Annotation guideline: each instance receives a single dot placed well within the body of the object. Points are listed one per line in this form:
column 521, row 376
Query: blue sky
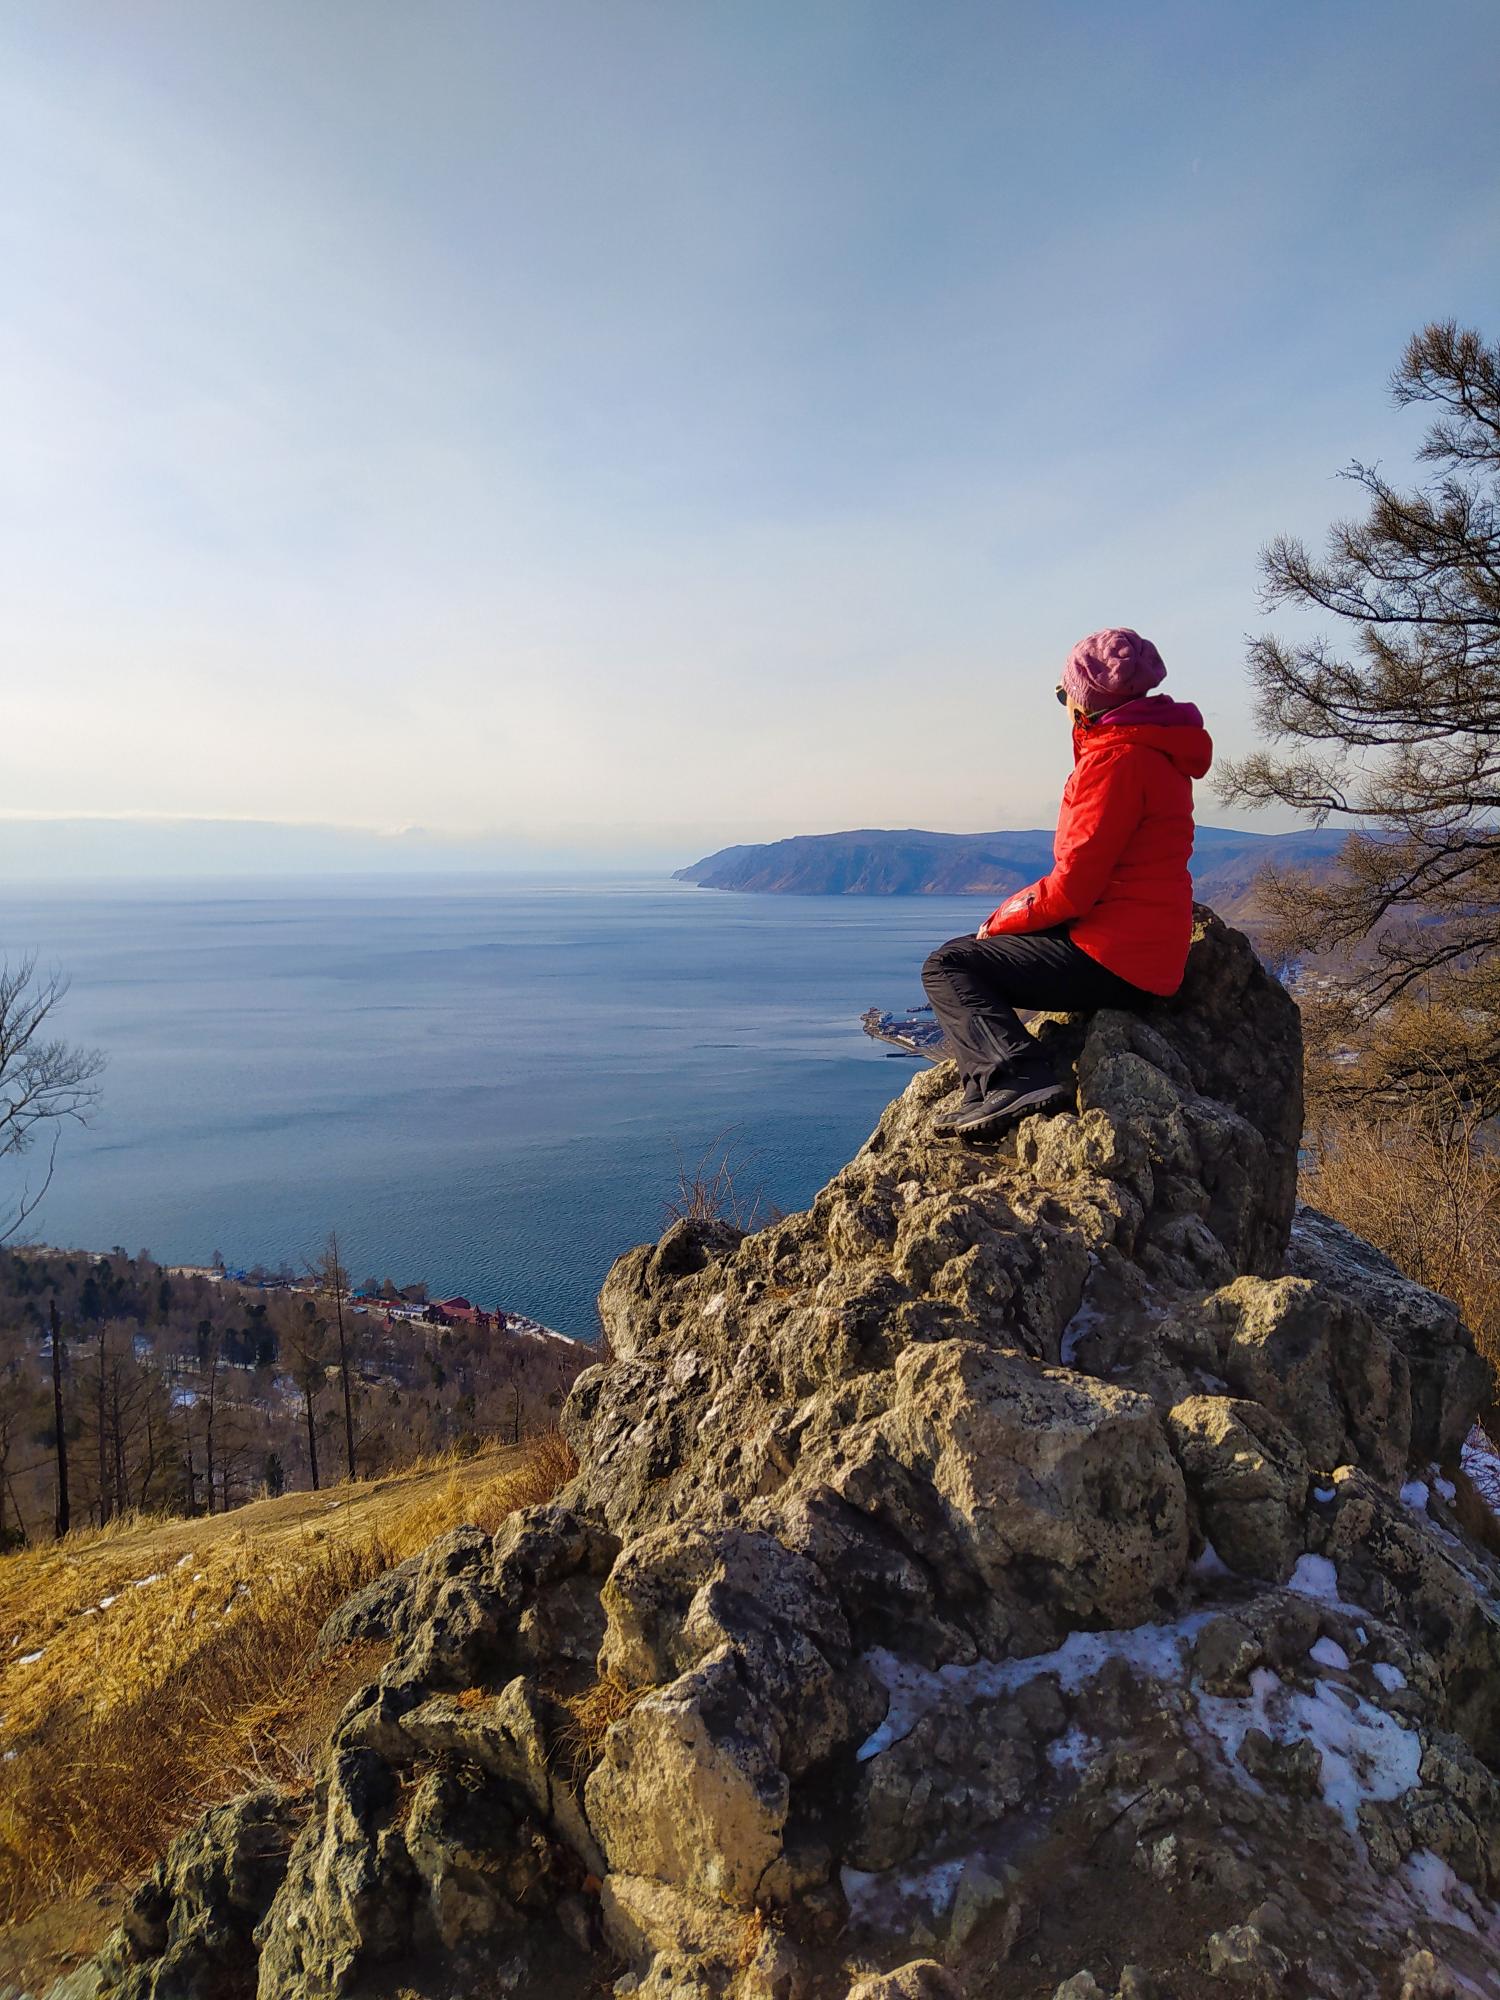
column 619, row 429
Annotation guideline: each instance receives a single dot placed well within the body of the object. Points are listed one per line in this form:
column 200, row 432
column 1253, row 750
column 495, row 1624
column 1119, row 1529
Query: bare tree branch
column 1396, row 732
column 45, row 1082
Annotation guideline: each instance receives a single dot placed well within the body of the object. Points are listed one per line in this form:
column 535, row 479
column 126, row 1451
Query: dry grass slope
column 1424, row 1189
column 158, row 1666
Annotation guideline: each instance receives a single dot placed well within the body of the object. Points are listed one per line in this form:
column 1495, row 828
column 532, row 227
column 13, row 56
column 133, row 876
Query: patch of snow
column 1072, row 1750
column 1481, row 1462
column 30, row 1659
column 1156, row 1649
column 182, row 1562
column 141, row 1581
column 1390, row 1678
column 884, row 1899
column 1228, row 1717
column 1210, row 1563
column 9, row 1757
column 1329, row 1653
column 197, row 1576
column 184, row 1398
column 1077, row 1330
column 1445, row 1487
column 1438, row 1890
column 106, row 1602
column 1366, row 1753
column 1414, row 1495
column 1315, row 1576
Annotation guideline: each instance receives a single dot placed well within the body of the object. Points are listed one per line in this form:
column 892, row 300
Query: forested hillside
column 878, row 862
column 188, row 1391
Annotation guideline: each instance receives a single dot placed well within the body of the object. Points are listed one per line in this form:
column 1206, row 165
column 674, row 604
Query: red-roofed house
column 459, row 1312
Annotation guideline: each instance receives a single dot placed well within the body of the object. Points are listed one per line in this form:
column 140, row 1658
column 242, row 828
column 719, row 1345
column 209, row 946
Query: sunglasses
column 1062, row 695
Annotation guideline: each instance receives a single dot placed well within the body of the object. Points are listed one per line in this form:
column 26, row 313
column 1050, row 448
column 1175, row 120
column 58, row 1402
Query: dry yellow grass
column 153, row 1667
column 1424, row 1189
column 590, row 1715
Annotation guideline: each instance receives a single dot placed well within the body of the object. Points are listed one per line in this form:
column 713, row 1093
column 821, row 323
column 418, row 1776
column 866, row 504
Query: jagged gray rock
column 187, row 1930
column 1029, row 1559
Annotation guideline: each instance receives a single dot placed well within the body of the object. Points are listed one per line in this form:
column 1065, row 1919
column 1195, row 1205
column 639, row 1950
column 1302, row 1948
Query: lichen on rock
column 1006, row 1577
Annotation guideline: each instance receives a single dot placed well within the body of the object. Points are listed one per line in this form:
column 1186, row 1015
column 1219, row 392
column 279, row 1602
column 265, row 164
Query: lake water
column 486, row 1085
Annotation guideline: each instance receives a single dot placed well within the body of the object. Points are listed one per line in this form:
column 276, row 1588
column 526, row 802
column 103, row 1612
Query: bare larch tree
column 330, row 1277
column 1395, row 732
column 44, row 1082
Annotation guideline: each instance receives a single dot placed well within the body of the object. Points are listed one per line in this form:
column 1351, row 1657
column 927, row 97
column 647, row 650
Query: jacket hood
column 1160, row 723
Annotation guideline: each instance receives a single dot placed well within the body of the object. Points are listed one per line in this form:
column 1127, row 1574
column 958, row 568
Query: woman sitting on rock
column 1110, row 925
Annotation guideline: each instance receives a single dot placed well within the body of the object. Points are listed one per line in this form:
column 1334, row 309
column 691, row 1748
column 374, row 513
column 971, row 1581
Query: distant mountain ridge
column 911, row 862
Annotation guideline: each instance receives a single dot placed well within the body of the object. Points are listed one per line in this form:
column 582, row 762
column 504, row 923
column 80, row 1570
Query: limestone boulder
column 1449, row 1380
column 1248, row 1478
column 1338, row 1381
column 1055, row 1494
column 689, row 1791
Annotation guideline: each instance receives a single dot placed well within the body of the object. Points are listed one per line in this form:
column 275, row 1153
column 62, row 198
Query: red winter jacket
column 1119, row 879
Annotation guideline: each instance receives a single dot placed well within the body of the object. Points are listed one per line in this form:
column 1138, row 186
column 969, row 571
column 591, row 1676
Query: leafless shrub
column 44, row 1082
column 714, row 1189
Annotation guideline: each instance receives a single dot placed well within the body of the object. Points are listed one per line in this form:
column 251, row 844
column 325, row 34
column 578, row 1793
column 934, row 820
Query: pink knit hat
column 1109, row 667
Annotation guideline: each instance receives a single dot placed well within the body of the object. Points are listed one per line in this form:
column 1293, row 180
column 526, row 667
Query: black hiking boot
column 954, row 1107
column 1030, row 1087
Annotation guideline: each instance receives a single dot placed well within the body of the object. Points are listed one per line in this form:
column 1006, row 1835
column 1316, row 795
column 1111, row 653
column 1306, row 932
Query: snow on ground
column 1329, row 1653
column 1481, row 1462
column 884, row 1899
column 1071, row 1751
column 1210, row 1563
column 1315, row 1576
column 1438, row 1891
column 1414, row 1495
column 30, row 1659
column 1152, row 1649
column 1367, row 1754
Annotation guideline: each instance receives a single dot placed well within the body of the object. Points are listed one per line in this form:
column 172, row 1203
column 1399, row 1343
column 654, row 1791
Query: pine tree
column 1396, row 733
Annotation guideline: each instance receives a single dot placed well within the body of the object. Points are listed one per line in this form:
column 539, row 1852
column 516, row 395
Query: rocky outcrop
column 187, row 1932
column 1031, row 1571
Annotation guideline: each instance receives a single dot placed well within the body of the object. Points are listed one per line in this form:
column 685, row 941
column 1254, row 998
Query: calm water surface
column 484, row 1085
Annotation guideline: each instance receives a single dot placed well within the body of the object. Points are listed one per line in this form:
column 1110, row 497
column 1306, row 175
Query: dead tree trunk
column 64, row 1514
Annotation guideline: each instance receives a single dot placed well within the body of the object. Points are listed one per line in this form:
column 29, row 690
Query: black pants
column 976, row 984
